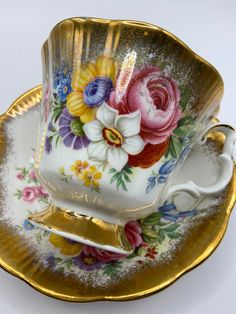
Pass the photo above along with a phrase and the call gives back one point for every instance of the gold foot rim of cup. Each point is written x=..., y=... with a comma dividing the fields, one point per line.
x=84, y=229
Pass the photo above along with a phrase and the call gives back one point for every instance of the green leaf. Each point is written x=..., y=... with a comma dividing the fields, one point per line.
x=115, y=177
x=175, y=147
x=128, y=169
x=131, y=255
x=141, y=251
x=171, y=228
x=180, y=132
x=174, y=235
x=55, y=96
x=112, y=170
x=160, y=239
x=162, y=224
x=172, y=148
x=185, y=121
x=184, y=97
x=147, y=231
x=152, y=219
x=124, y=188
x=112, y=269
x=161, y=234
x=126, y=177
x=57, y=140
x=149, y=240
x=57, y=116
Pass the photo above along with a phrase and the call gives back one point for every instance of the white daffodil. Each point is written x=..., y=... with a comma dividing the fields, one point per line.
x=113, y=137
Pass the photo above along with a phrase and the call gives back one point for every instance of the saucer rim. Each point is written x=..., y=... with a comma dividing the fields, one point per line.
x=30, y=99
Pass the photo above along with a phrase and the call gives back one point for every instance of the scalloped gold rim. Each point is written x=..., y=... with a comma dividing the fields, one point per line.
x=31, y=99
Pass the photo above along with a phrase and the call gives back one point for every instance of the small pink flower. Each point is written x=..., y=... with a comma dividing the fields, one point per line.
x=42, y=192
x=29, y=194
x=133, y=233
x=20, y=176
x=32, y=175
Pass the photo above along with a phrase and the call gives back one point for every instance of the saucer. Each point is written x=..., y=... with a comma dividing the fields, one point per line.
x=171, y=241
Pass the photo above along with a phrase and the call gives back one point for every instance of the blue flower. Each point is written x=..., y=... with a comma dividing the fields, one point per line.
x=48, y=144
x=62, y=73
x=97, y=91
x=170, y=217
x=184, y=154
x=169, y=212
x=64, y=88
x=151, y=183
x=27, y=225
x=168, y=167
x=188, y=213
x=162, y=179
x=167, y=207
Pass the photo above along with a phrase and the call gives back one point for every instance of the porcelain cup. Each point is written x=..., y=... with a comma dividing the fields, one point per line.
x=123, y=104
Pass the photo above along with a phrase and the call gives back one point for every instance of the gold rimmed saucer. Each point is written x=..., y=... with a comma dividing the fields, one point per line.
x=56, y=267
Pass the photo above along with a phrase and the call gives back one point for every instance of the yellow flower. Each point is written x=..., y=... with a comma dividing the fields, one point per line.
x=66, y=246
x=91, y=177
x=78, y=166
x=91, y=84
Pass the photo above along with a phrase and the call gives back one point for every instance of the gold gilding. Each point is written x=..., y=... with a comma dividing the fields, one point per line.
x=78, y=226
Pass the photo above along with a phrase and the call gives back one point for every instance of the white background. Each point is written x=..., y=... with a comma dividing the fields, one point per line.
x=209, y=28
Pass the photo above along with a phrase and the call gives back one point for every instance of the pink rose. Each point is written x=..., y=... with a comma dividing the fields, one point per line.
x=20, y=176
x=32, y=175
x=29, y=194
x=42, y=192
x=157, y=97
x=133, y=233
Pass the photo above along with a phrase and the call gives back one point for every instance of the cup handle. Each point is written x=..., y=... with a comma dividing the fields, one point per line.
x=226, y=163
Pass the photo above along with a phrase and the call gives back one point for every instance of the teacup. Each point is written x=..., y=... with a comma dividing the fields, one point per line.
x=123, y=104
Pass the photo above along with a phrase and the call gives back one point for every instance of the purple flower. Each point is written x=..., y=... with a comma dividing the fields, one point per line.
x=71, y=131
x=48, y=144
x=51, y=261
x=87, y=262
x=27, y=225
x=51, y=127
x=97, y=91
